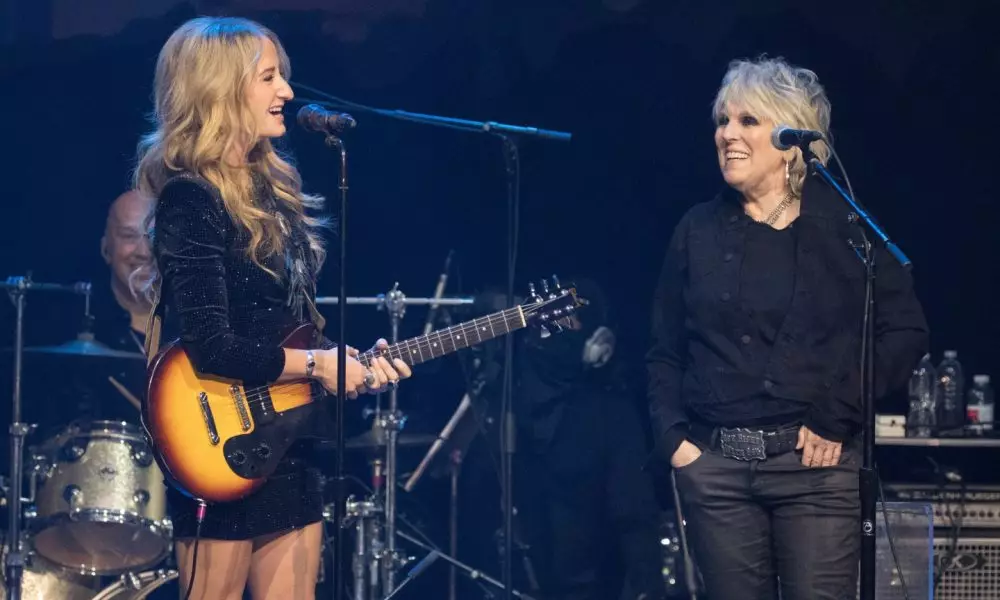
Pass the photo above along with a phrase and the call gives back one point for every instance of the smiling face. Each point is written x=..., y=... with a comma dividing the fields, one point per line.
x=125, y=246
x=268, y=92
x=749, y=161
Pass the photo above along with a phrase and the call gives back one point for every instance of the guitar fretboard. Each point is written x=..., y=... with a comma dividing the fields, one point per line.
x=445, y=341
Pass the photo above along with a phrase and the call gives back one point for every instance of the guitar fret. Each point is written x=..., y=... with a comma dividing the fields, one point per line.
x=451, y=339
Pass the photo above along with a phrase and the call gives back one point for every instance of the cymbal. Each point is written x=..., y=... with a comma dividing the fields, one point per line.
x=85, y=347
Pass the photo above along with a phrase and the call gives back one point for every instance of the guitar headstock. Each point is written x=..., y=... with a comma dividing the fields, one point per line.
x=553, y=308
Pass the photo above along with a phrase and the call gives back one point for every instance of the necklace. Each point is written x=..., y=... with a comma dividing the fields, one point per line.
x=772, y=217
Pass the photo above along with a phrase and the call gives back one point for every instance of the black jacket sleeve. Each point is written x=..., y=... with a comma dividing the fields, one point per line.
x=901, y=338
x=666, y=359
x=189, y=245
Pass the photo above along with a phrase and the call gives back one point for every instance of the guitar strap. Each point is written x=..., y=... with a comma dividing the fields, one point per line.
x=154, y=325
x=318, y=320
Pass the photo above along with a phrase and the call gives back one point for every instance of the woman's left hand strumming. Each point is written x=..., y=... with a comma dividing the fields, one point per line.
x=817, y=451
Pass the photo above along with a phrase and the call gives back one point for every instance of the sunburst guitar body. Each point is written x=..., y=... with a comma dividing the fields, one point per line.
x=218, y=440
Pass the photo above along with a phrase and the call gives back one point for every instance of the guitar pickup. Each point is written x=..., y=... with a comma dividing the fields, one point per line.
x=241, y=407
x=206, y=413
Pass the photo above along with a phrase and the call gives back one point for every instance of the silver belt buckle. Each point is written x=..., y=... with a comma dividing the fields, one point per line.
x=742, y=444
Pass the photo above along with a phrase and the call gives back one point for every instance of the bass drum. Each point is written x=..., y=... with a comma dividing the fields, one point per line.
x=40, y=581
x=101, y=501
x=133, y=586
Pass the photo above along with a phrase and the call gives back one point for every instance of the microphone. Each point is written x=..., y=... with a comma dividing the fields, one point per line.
x=785, y=138
x=314, y=117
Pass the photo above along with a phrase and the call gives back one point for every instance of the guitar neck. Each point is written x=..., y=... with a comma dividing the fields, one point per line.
x=445, y=341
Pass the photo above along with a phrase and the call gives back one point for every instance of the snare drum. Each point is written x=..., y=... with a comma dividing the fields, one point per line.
x=101, y=504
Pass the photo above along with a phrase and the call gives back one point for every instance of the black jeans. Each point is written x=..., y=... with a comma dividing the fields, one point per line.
x=759, y=525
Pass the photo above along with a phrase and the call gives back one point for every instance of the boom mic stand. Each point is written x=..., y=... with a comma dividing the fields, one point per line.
x=17, y=288
x=507, y=134
x=391, y=422
x=868, y=479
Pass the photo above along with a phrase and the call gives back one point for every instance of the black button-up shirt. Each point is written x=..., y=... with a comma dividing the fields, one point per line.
x=722, y=357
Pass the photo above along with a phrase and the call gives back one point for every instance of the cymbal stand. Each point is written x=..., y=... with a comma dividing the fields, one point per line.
x=17, y=288
x=363, y=515
x=389, y=423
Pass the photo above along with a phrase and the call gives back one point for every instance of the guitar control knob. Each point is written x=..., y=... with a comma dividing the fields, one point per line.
x=262, y=451
x=238, y=457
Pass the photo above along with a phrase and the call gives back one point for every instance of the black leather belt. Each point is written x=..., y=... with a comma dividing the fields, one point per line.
x=743, y=443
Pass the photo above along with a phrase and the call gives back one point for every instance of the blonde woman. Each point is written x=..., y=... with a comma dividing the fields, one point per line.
x=236, y=257
x=754, y=367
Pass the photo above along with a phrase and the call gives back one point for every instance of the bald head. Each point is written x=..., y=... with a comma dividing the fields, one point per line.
x=124, y=246
x=128, y=210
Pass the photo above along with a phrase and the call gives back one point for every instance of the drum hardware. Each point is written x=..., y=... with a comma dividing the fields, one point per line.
x=470, y=572
x=368, y=550
x=387, y=424
x=17, y=288
x=135, y=586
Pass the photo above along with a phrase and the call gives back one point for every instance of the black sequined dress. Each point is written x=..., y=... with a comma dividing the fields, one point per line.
x=231, y=316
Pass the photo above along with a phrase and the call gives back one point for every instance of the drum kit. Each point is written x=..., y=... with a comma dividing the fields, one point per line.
x=87, y=503
x=93, y=523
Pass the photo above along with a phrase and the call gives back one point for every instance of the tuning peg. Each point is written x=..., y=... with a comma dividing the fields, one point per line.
x=555, y=283
x=532, y=294
x=545, y=287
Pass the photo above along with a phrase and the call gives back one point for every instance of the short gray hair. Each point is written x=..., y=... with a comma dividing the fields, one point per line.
x=785, y=94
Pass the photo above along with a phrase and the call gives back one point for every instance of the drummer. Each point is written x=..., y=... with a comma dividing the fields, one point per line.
x=120, y=320
x=119, y=315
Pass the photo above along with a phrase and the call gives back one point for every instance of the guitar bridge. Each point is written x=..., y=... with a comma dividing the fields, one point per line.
x=206, y=413
x=241, y=407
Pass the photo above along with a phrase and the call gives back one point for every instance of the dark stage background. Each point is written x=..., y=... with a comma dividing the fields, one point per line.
x=633, y=81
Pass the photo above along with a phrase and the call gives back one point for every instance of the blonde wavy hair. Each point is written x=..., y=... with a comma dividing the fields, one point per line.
x=772, y=89
x=201, y=117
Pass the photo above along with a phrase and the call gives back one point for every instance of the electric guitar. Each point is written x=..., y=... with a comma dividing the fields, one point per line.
x=218, y=440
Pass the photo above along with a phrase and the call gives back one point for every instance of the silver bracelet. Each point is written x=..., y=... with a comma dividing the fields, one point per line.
x=310, y=363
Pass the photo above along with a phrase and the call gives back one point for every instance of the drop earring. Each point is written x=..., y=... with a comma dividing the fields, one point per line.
x=788, y=174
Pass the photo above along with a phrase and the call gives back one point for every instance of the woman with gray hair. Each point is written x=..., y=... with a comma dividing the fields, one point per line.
x=755, y=359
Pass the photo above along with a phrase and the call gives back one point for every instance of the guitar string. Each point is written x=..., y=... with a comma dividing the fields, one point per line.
x=255, y=395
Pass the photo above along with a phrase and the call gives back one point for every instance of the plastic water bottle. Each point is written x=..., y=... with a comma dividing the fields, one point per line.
x=979, y=408
x=951, y=396
x=922, y=418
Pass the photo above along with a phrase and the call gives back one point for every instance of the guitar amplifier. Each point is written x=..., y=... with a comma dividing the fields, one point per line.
x=973, y=571
x=975, y=507
x=972, y=561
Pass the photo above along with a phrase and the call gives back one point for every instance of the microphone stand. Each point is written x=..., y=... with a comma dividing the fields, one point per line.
x=512, y=169
x=338, y=473
x=509, y=427
x=14, y=561
x=867, y=477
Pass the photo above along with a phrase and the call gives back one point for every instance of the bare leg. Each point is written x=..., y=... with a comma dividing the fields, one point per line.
x=285, y=566
x=221, y=571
